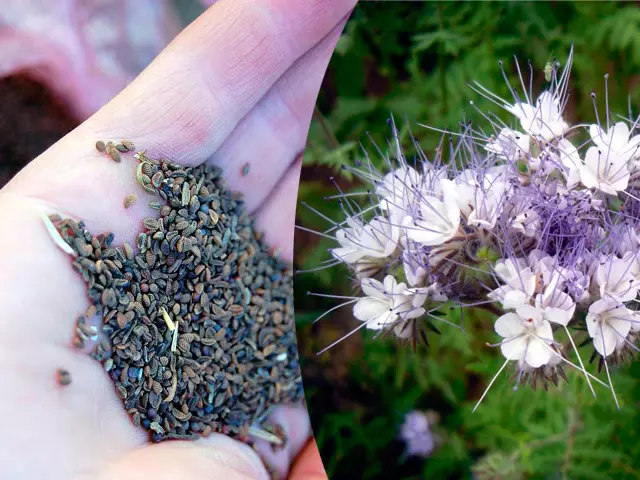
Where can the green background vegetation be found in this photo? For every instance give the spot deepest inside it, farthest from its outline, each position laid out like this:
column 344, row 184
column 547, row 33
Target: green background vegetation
column 414, row 60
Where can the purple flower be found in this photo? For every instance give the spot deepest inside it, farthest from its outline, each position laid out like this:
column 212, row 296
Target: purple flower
column 416, row 434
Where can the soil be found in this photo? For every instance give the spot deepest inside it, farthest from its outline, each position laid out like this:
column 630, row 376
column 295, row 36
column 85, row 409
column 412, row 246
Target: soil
column 32, row 119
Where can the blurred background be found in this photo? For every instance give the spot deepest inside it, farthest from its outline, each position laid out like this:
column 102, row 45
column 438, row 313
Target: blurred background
column 414, row 60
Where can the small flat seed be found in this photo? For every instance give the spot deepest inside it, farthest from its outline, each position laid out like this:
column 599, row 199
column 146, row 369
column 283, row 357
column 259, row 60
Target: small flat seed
column 128, row 251
column 101, row 146
column 149, row 169
column 121, row 148
column 268, row 350
column 245, row 169
column 115, row 156
column 130, row 200
column 63, row 377
column 122, row 320
column 122, row 392
column 156, row 179
column 142, row 241
column 156, row 427
column 150, row 224
column 128, row 144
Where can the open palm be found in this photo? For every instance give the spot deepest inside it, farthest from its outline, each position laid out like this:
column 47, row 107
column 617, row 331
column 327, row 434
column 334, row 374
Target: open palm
column 236, row 86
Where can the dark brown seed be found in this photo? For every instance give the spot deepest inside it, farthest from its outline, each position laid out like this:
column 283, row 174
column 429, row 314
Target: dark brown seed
column 181, row 416
column 156, row 427
column 108, row 297
column 181, row 225
column 142, row 241
column 63, row 377
column 101, row 146
column 201, row 260
column 139, row 309
column 128, row 144
column 122, row 392
column 122, row 320
column 151, row 224
column 90, row 311
column 156, row 179
column 115, row 156
column 148, row 169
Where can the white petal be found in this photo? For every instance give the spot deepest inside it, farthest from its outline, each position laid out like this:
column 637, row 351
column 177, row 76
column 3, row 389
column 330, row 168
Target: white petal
column 513, row 348
column 347, row 254
column 621, row 325
column 595, row 162
column 367, row 308
column 515, row 299
column 529, row 312
column 383, row 320
column 373, row 288
column 597, row 135
column 588, row 177
column 544, row 331
column 619, row 136
column 415, row 313
column 620, row 181
column 509, row 325
column 559, row 315
column 390, row 284
column 402, row 330
column 631, row 149
column 605, row 341
column 537, row 353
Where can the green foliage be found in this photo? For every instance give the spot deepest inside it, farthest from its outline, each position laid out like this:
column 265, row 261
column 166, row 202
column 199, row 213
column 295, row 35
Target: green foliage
column 414, row 61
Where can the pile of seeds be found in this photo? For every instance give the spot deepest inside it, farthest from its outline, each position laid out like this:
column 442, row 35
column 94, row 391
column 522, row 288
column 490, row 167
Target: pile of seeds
column 197, row 329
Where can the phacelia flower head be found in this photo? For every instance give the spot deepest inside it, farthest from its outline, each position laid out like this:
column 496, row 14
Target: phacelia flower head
column 529, row 221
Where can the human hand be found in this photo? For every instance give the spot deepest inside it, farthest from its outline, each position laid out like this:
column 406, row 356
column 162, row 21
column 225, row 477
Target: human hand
column 237, row 86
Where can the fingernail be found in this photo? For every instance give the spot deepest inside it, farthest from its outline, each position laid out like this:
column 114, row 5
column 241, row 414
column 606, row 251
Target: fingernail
column 235, row 455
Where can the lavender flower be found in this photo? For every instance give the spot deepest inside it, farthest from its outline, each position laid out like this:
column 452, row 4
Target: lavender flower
column 530, row 222
column 416, row 434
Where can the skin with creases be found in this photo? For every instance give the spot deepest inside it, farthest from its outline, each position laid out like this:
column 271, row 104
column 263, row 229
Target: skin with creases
column 237, row 86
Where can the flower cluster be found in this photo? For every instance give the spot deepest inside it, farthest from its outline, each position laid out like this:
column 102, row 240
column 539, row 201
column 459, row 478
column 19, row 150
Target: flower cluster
column 539, row 223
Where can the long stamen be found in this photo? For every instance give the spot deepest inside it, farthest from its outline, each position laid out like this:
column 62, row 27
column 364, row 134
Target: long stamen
column 575, row 349
column 491, row 384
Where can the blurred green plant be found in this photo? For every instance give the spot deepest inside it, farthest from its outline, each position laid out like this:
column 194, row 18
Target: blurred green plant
column 415, row 61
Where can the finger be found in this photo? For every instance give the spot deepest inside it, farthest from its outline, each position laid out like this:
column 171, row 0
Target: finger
column 196, row 92
column 270, row 137
column 215, row 72
column 212, row 458
column 277, row 216
column 294, row 420
column 308, row 465
column 160, row 108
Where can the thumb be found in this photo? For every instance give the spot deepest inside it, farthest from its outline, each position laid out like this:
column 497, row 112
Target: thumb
column 215, row 457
